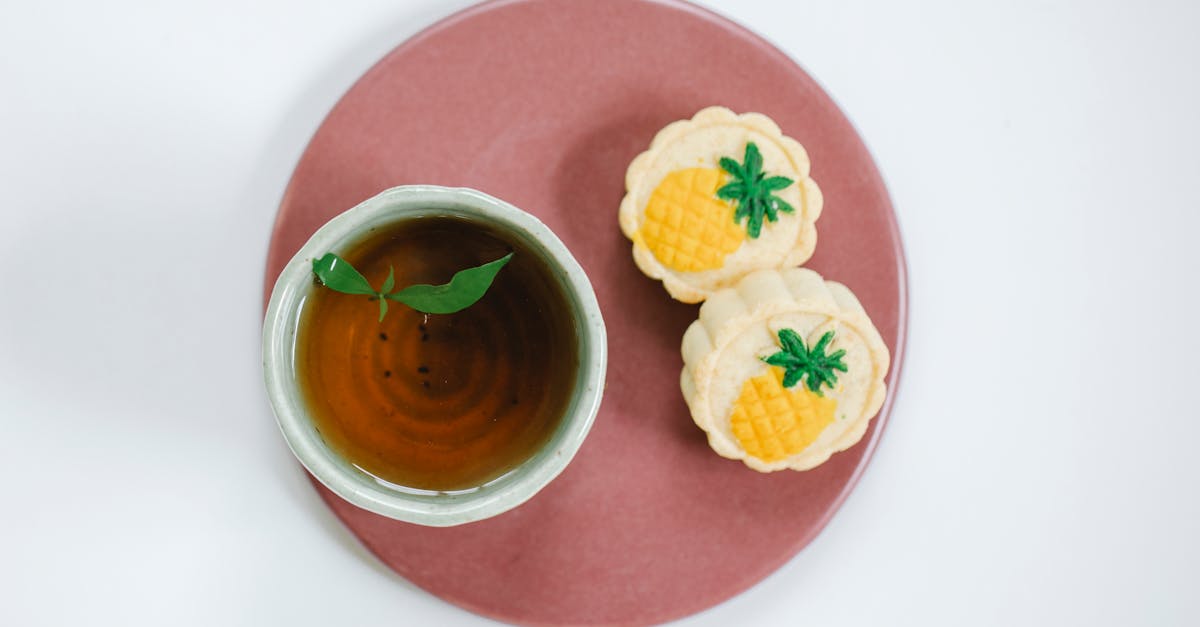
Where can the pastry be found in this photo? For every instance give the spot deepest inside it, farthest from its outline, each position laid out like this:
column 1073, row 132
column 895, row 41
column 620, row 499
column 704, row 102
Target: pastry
column 783, row 370
column 716, row 197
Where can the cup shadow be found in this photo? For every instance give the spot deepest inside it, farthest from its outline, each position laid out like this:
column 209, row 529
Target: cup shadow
column 641, row 317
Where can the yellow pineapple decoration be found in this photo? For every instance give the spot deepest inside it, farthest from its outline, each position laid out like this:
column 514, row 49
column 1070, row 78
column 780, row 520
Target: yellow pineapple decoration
column 693, row 217
column 772, row 421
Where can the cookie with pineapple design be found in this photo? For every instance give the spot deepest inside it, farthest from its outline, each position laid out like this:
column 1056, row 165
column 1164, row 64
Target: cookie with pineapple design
column 783, row 370
column 716, row 197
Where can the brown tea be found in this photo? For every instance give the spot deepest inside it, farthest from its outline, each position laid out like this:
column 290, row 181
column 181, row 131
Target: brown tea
column 439, row 402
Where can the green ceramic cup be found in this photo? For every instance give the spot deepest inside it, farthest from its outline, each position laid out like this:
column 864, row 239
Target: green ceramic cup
column 432, row 508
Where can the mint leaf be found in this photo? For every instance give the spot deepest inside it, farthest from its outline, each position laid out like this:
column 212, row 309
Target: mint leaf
column 338, row 275
column 464, row 289
column 389, row 282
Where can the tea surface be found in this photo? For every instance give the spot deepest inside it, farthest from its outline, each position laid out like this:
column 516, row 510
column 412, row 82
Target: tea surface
column 439, row 402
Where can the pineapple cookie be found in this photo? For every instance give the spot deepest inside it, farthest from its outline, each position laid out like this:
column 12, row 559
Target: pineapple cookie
column 783, row 370
column 716, row 197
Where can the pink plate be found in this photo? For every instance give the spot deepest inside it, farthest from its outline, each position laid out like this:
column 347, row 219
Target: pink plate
column 543, row 103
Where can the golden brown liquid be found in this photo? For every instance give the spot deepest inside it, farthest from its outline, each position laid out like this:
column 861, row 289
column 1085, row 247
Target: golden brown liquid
column 439, row 402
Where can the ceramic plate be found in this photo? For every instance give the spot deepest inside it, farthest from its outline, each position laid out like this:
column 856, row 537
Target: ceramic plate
column 543, row 103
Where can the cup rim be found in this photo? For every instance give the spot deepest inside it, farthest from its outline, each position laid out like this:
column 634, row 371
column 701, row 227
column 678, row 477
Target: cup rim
column 442, row 508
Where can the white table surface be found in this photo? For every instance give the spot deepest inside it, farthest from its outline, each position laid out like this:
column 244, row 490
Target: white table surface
column 1040, row 466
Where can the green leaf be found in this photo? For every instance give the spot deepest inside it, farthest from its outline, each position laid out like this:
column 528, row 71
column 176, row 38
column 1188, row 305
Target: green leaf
column 732, row 191
column 751, row 191
column 464, row 289
column 782, row 205
column 389, row 282
column 781, row 359
column 775, row 183
column 753, row 163
column 769, row 208
column 754, row 223
column 813, row 366
column 791, row 342
column 742, row 211
column 733, row 167
column 338, row 275
column 823, row 342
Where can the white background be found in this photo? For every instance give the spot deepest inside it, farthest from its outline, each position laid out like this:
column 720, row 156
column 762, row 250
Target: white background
column 1040, row 466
